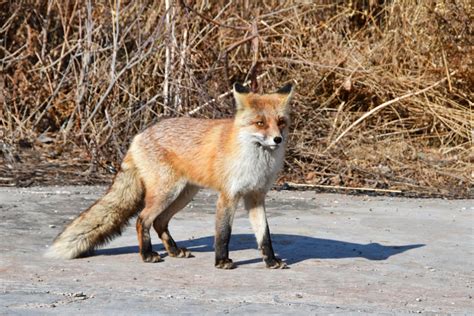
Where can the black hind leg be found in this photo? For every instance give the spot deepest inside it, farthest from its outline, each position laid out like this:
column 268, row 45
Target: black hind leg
column 161, row 222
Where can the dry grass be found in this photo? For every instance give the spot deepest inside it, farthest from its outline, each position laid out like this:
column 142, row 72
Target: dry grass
column 384, row 98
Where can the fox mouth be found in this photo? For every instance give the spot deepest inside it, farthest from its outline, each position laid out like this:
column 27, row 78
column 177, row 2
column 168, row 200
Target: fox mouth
column 260, row 141
column 268, row 147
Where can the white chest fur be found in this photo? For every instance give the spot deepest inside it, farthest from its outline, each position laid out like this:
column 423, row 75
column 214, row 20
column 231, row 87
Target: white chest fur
column 254, row 169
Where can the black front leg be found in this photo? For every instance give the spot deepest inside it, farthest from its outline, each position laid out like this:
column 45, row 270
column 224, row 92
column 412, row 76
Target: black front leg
column 224, row 218
column 268, row 254
column 255, row 205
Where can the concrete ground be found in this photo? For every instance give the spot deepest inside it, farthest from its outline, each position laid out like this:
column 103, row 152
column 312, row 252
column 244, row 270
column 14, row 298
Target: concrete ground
column 347, row 254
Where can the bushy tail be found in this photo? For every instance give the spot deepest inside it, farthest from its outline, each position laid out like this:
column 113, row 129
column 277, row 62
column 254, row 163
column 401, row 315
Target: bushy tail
column 105, row 219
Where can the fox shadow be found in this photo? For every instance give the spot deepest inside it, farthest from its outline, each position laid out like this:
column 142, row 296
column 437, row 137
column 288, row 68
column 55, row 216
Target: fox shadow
column 291, row 248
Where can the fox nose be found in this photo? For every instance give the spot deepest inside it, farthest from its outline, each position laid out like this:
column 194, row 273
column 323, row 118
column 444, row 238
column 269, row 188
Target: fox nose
column 277, row 139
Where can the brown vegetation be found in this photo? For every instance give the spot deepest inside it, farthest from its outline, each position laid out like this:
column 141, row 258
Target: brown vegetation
column 384, row 98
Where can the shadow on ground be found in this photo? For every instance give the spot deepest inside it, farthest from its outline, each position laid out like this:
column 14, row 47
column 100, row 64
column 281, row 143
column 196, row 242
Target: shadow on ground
column 291, row 248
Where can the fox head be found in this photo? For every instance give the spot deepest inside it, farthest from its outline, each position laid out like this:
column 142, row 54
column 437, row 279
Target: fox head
column 263, row 119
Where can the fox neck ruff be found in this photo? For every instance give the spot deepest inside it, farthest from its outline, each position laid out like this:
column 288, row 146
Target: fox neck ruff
column 254, row 167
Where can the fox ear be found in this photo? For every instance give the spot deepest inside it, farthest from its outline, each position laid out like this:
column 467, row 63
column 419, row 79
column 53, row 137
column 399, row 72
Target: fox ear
column 285, row 94
column 286, row 89
column 240, row 88
column 240, row 95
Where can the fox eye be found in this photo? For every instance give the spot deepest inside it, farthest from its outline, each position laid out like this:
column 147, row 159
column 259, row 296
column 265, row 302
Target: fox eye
column 259, row 123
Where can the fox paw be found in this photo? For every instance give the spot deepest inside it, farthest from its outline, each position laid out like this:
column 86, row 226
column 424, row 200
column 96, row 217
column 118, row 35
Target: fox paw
column 151, row 257
column 225, row 264
column 180, row 253
column 276, row 263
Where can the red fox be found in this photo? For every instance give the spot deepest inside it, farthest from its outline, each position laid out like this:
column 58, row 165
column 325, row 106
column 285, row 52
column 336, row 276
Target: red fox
column 169, row 162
